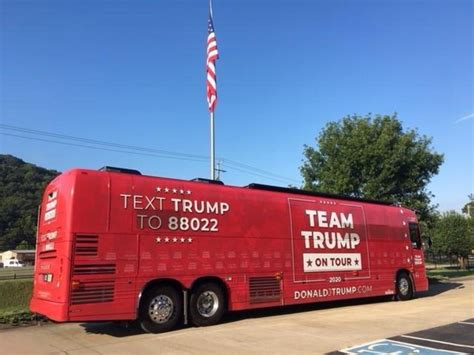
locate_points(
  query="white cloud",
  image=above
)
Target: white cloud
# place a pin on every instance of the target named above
(465, 118)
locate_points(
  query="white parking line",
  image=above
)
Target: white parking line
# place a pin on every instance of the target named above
(470, 323)
(437, 341)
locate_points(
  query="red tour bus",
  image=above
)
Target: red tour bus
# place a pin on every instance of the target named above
(115, 245)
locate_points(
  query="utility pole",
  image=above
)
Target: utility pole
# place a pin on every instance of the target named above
(219, 170)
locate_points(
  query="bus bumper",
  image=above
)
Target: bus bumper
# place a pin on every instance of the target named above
(56, 311)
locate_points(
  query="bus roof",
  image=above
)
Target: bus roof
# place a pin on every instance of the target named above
(256, 186)
(314, 193)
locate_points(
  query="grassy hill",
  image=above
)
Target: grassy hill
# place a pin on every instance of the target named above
(21, 186)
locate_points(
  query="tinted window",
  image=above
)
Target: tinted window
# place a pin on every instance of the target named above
(415, 235)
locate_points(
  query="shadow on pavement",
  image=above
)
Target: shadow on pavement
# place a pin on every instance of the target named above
(123, 329)
(439, 287)
(115, 329)
(310, 307)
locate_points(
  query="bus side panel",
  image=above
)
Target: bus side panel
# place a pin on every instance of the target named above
(390, 250)
(103, 284)
(235, 235)
(348, 249)
(105, 255)
(330, 251)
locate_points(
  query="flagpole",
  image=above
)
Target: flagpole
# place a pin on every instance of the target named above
(213, 149)
(212, 55)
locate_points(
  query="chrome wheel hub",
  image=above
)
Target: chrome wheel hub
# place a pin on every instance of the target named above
(404, 287)
(207, 304)
(161, 309)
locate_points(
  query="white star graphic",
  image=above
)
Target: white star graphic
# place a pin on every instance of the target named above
(175, 240)
(182, 240)
(188, 192)
(167, 190)
(158, 189)
(174, 191)
(181, 191)
(158, 240)
(190, 240)
(167, 240)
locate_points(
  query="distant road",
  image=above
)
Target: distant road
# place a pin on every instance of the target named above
(16, 273)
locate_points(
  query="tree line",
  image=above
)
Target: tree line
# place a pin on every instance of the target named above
(21, 187)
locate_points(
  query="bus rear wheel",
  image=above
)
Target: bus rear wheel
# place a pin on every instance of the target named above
(207, 304)
(160, 310)
(404, 287)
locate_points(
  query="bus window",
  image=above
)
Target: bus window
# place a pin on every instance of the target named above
(415, 236)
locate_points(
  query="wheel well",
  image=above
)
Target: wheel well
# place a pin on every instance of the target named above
(154, 283)
(214, 280)
(402, 271)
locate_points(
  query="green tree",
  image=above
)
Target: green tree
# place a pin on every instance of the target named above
(373, 158)
(453, 235)
(24, 245)
(21, 186)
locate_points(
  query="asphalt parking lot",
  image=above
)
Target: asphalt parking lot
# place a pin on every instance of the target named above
(437, 319)
(453, 338)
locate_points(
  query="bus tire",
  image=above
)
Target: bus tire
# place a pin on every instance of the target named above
(161, 310)
(404, 287)
(207, 304)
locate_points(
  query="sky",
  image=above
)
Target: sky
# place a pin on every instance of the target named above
(122, 83)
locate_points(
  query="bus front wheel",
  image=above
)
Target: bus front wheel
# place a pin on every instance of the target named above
(160, 310)
(404, 287)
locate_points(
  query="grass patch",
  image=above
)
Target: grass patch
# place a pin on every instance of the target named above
(448, 273)
(14, 301)
(15, 293)
(16, 316)
(16, 273)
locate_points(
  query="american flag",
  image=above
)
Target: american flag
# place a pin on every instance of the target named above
(212, 56)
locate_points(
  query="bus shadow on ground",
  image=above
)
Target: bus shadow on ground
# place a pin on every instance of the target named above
(123, 329)
(438, 287)
(115, 329)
